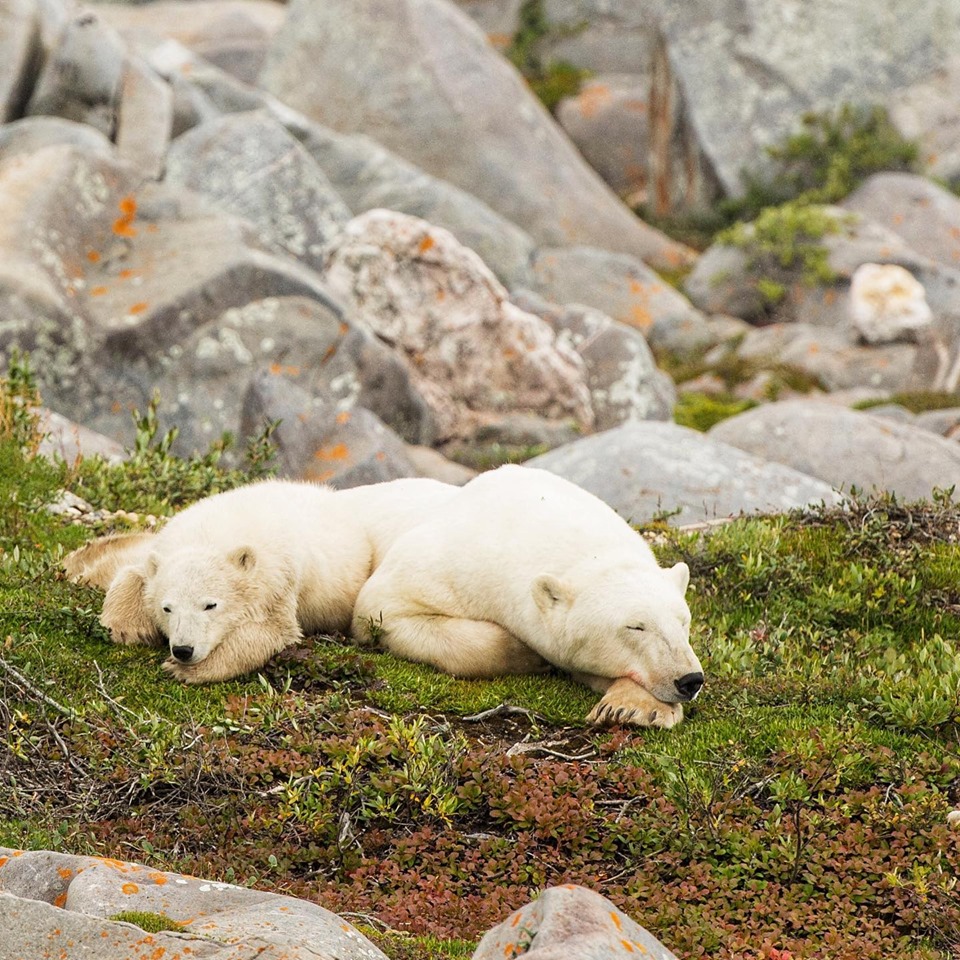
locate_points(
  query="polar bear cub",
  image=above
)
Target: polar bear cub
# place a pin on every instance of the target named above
(522, 569)
(238, 576)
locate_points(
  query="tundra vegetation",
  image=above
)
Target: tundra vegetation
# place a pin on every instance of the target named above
(799, 811)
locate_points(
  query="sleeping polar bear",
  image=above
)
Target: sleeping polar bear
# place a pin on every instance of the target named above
(238, 576)
(521, 569)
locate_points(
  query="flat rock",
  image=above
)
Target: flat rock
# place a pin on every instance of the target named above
(650, 469)
(471, 353)
(249, 166)
(33, 133)
(57, 902)
(846, 447)
(625, 289)
(63, 439)
(570, 923)
(422, 78)
(144, 119)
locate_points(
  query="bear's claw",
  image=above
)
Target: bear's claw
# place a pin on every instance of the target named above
(629, 703)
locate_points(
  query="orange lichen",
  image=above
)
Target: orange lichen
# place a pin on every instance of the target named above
(127, 274)
(426, 244)
(3, 860)
(128, 206)
(594, 98)
(93, 256)
(65, 873)
(616, 920)
(138, 307)
(60, 900)
(338, 451)
(343, 329)
(130, 888)
(158, 878)
(123, 225)
(343, 416)
(98, 291)
(278, 368)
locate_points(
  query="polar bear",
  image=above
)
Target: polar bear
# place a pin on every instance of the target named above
(238, 576)
(522, 569)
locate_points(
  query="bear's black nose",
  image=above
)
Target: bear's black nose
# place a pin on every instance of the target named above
(689, 686)
(183, 654)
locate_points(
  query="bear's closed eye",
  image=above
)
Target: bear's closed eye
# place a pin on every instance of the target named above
(639, 626)
(210, 606)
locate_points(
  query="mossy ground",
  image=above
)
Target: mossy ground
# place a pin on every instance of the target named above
(799, 811)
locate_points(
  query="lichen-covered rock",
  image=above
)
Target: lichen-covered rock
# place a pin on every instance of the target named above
(887, 303)
(623, 288)
(473, 355)
(249, 166)
(57, 904)
(422, 79)
(316, 441)
(570, 923)
(20, 55)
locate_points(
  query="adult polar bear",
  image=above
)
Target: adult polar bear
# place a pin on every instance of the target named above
(238, 576)
(522, 569)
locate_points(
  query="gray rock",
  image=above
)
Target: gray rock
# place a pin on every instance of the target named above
(231, 34)
(315, 441)
(248, 165)
(52, 901)
(68, 441)
(570, 922)
(369, 177)
(625, 289)
(663, 468)
(924, 215)
(608, 120)
(145, 118)
(34, 133)
(202, 381)
(601, 36)
(81, 78)
(943, 422)
(837, 360)
(433, 464)
(56, 213)
(20, 55)
(846, 447)
(777, 60)
(622, 374)
(471, 353)
(499, 19)
(421, 77)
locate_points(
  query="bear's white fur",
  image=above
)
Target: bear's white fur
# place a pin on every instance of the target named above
(522, 569)
(238, 576)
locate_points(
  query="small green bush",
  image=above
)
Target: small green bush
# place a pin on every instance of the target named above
(150, 922)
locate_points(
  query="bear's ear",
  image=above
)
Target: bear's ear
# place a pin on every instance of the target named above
(550, 592)
(153, 565)
(243, 557)
(680, 574)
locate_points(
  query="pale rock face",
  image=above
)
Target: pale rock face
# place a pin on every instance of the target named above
(887, 303)
(474, 355)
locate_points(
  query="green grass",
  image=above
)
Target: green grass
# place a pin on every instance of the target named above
(800, 805)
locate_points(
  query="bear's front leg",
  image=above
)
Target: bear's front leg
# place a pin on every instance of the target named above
(242, 651)
(628, 702)
(125, 612)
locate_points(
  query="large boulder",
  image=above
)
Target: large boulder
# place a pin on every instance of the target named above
(20, 55)
(846, 447)
(777, 60)
(474, 356)
(420, 77)
(663, 469)
(54, 904)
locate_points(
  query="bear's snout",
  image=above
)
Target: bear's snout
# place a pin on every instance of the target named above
(185, 654)
(688, 686)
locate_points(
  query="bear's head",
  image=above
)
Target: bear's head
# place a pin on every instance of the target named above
(199, 597)
(617, 622)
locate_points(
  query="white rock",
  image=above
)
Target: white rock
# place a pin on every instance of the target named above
(887, 303)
